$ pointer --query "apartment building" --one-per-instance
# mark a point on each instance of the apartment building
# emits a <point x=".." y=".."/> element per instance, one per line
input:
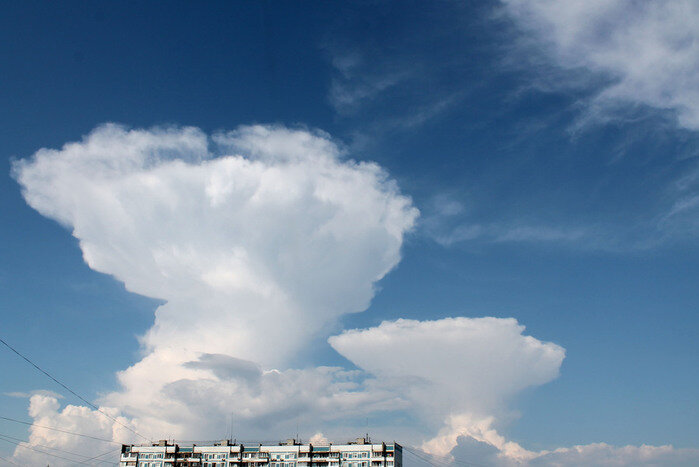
<point x="359" y="453"/>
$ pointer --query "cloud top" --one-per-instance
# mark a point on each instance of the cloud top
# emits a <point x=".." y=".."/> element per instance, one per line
<point x="456" y="371"/>
<point x="256" y="228"/>
<point x="257" y="239"/>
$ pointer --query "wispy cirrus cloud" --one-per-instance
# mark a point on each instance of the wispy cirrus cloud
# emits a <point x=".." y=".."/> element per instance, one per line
<point x="633" y="53"/>
<point x="447" y="221"/>
<point x="28" y="395"/>
<point x="355" y="84"/>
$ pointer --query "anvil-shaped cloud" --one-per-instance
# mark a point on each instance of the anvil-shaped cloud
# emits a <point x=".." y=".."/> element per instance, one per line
<point x="258" y="240"/>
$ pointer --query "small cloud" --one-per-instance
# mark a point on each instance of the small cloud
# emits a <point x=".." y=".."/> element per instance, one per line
<point x="459" y="234"/>
<point x="346" y="95"/>
<point x="319" y="440"/>
<point x="538" y="234"/>
<point x="27" y="395"/>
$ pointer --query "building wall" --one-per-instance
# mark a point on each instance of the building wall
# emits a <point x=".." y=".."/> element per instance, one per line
<point x="286" y="455"/>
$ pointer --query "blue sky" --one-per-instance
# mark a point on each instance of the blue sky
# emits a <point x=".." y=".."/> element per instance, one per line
<point x="551" y="152"/>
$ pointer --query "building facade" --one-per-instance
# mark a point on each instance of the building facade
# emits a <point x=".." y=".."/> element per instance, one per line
<point x="360" y="453"/>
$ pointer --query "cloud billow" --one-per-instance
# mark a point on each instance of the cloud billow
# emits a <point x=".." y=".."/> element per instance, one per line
<point x="257" y="240"/>
<point x="457" y="372"/>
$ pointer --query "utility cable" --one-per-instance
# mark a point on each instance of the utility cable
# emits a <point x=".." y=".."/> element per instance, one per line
<point x="447" y="460"/>
<point x="73" y="392"/>
<point x="8" y="461"/>
<point x="424" y="459"/>
<point x="450" y="458"/>
<point x="420" y="458"/>
<point x="103" y="454"/>
<point x="44" y="452"/>
<point x="58" y="429"/>
<point x="87" y="458"/>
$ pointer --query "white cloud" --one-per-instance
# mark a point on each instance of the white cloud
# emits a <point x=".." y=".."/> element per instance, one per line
<point x="497" y="233"/>
<point x="450" y="222"/>
<point x="454" y="375"/>
<point x="257" y="239"/>
<point x="602" y="454"/>
<point x="283" y="231"/>
<point x="318" y="439"/>
<point x="490" y="448"/>
<point x="455" y="371"/>
<point x="27" y="395"/>
<point x="458" y="375"/>
<point x="46" y="412"/>
<point x="355" y="84"/>
<point x="649" y="51"/>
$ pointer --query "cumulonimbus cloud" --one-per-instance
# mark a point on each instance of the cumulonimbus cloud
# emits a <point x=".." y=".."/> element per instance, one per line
<point x="455" y="371"/>
<point x="257" y="240"/>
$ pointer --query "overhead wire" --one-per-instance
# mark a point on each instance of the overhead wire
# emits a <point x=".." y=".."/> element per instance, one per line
<point x="8" y="461"/>
<point x="73" y="392"/>
<point x="424" y="459"/>
<point x="447" y="459"/>
<point x="25" y="446"/>
<point x="59" y="430"/>
<point x="103" y="454"/>
<point x="452" y="459"/>
<point x="87" y="458"/>
<point x="420" y="458"/>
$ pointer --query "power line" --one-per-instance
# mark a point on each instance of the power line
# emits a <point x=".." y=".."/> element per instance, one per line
<point x="451" y="459"/>
<point x="103" y="454"/>
<point x="45" y="453"/>
<point x="8" y="461"/>
<point x="60" y="430"/>
<point x="73" y="392"/>
<point x="427" y="461"/>
<point x="87" y="458"/>
<point x="424" y="459"/>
